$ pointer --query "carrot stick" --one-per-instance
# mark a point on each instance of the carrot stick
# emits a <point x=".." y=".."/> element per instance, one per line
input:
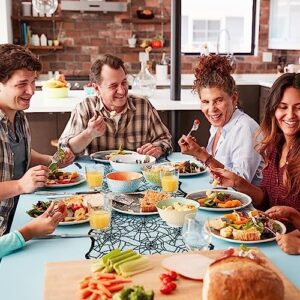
<point x="116" y="281"/>
<point x="85" y="293"/>
<point x="94" y="297"/>
<point x="105" y="276"/>
<point x="115" y="288"/>
<point x="102" y="288"/>
<point x="84" y="284"/>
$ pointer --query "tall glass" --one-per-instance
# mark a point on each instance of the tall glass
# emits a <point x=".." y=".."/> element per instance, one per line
<point x="99" y="208"/>
<point x="196" y="232"/>
<point x="169" y="180"/>
<point x="94" y="176"/>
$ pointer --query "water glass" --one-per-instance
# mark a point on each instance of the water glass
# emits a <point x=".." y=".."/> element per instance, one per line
<point x="99" y="208"/>
<point x="94" y="176"/>
<point x="196" y="232"/>
<point x="169" y="180"/>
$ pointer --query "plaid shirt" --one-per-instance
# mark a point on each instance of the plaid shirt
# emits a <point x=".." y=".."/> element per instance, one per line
<point x="7" y="161"/>
<point x="139" y="124"/>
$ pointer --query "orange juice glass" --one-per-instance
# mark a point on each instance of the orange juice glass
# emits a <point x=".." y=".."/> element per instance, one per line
<point x="99" y="207"/>
<point x="94" y="175"/>
<point x="169" y="180"/>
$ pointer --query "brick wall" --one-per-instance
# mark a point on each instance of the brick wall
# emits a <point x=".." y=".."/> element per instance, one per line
<point x="86" y="35"/>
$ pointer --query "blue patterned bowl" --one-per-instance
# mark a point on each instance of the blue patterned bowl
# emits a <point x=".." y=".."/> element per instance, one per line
<point x="123" y="182"/>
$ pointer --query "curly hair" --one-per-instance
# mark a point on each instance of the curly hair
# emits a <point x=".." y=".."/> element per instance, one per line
<point x="214" y="71"/>
<point x="113" y="62"/>
<point x="15" y="57"/>
<point x="273" y="137"/>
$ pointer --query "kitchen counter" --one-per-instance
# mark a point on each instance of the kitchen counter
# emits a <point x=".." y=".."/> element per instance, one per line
<point x="160" y="99"/>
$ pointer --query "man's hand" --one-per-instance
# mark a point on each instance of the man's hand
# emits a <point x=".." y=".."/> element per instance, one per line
<point x="96" y="126"/>
<point x="34" y="178"/>
<point x="150" y="149"/>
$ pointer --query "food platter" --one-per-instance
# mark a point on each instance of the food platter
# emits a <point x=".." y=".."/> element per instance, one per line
<point x="78" y="180"/>
<point x="130" y="205"/>
<point x="217" y="235"/>
<point x="201" y="167"/>
<point x="245" y="199"/>
<point x="101" y="155"/>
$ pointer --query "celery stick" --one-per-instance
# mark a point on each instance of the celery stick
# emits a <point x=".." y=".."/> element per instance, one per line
<point x="120" y="257"/>
<point x="135" y="266"/>
<point x="97" y="265"/>
<point x="116" y="266"/>
<point x="112" y="253"/>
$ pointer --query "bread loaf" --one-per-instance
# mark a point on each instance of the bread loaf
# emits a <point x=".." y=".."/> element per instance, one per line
<point x="241" y="278"/>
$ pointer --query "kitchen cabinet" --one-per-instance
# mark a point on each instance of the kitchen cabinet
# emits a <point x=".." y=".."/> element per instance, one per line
<point x="264" y="92"/>
<point x="284" y="23"/>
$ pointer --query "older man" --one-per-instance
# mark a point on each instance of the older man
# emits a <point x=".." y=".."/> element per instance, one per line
<point x="113" y="118"/>
<point x="18" y="71"/>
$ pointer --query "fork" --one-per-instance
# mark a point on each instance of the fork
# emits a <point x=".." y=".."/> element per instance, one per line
<point x="255" y="223"/>
<point x="194" y="127"/>
<point x="57" y="157"/>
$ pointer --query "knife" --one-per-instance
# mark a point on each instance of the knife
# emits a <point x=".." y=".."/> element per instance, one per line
<point x="46" y="193"/>
<point x="65" y="235"/>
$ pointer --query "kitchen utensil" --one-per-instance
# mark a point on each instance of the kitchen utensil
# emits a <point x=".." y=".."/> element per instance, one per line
<point x="65" y="235"/>
<point x="194" y="127"/>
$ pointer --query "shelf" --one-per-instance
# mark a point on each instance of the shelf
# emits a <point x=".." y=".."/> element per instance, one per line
<point x="139" y="49"/>
<point x="21" y="18"/>
<point x="45" y="47"/>
<point x="147" y="21"/>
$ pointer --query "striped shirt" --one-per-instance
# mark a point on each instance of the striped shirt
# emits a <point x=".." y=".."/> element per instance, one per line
<point x="139" y="124"/>
<point x="7" y="160"/>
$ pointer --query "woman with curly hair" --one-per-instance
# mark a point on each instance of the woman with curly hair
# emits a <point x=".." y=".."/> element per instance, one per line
<point x="280" y="148"/>
<point x="231" y="143"/>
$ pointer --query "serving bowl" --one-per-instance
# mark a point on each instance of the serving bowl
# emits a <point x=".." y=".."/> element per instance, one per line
<point x="131" y="163"/>
<point x="175" y="217"/>
<point x="152" y="173"/>
<point x="123" y="182"/>
<point x="55" y="92"/>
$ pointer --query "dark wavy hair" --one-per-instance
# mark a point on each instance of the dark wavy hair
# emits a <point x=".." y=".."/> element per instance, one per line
<point x="15" y="57"/>
<point x="272" y="135"/>
<point x="113" y="62"/>
<point x="214" y="71"/>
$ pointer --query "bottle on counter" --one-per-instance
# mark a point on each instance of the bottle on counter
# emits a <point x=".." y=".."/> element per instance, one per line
<point x="43" y="40"/>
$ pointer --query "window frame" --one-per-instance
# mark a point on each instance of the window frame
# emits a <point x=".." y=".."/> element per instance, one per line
<point x="253" y="35"/>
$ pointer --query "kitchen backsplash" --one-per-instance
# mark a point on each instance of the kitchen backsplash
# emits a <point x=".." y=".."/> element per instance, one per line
<point x="84" y="36"/>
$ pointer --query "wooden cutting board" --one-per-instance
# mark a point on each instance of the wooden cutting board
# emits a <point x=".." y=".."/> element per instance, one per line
<point x="62" y="280"/>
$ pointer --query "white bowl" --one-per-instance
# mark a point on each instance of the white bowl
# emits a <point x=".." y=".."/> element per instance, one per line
<point x="127" y="163"/>
<point x="175" y="218"/>
<point x="55" y="92"/>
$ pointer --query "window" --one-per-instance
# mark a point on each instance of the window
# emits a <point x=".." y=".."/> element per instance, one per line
<point x="5" y="22"/>
<point x="217" y="25"/>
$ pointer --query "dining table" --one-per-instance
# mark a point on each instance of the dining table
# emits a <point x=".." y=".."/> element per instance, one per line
<point x="22" y="272"/>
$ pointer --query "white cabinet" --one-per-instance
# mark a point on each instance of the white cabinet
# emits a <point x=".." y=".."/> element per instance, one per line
<point x="284" y="24"/>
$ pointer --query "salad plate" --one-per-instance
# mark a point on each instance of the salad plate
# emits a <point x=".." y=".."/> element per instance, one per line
<point x="57" y="183"/>
<point x="104" y="156"/>
<point x="210" y="203"/>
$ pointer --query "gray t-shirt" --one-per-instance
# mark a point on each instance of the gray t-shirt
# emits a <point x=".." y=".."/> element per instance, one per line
<point x="17" y="143"/>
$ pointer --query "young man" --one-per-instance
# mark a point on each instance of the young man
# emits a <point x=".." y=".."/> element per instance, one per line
<point x="113" y="118"/>
<point x="22" y="169"/>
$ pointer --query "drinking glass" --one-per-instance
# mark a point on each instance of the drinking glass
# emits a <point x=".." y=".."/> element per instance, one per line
<point x="169" y="180"/>
<point x="196" y="232"/>
<point x="99" y="208"/>
<point x="94" y="176"/>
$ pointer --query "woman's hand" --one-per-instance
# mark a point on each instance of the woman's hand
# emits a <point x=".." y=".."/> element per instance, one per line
<point x="42" y="225"/>
<point x="290" y="242"/>
<point x="281" y="212"/>
<point x="189" y="146"/>
<point x="225" y="178"/>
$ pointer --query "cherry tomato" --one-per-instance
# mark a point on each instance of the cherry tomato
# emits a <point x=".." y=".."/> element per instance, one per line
<point x="164" y="289"/>
<point x="172" y="285"/>
<point x="163" y="276"/>
<point x="166" y="280"/>
<point x="197" y="122"/>
<point x="173" y="275"/>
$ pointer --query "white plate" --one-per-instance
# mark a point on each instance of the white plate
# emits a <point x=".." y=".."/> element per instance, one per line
<point x="245" y="199"/>
<point x="100" y="155"/>
<point x="72" y="222"/>
<point x="80" y="179"/>
<point x="216" y="234"/>
<point x="133" y="208"/>
<point x="191" y="174"/>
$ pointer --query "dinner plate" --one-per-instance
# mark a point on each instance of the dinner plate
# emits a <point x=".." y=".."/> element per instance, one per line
<point x="217" y="235"/>
<point x="133" y="208"/>
<point x="80" y="179"/>
<point x="72" y="222"/>
<point x="100" y="155"/>
<point x="191" y="174"/>
<point x="245" y="199"/>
